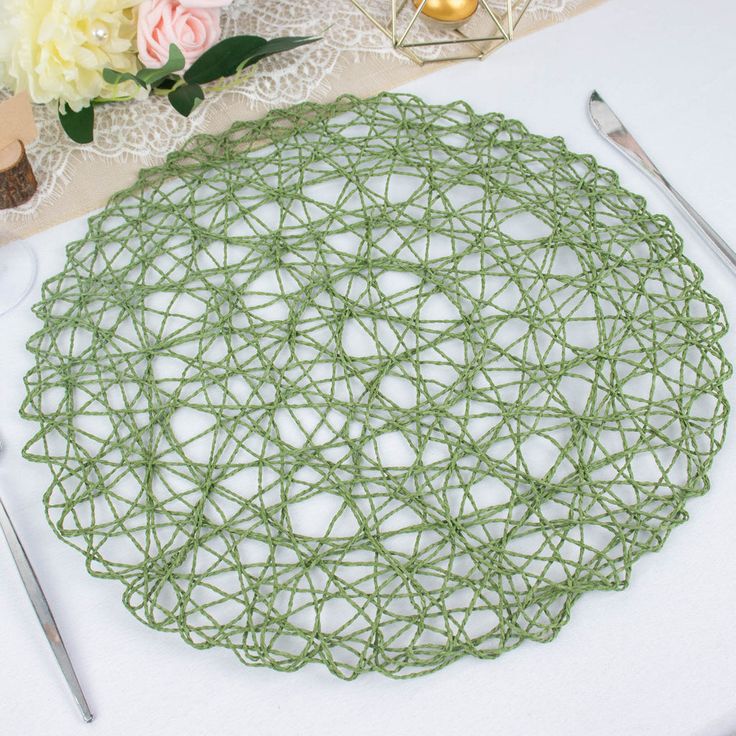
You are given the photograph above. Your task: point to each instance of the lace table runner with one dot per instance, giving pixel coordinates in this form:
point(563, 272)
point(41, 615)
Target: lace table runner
point(75, 179)
point(375, 384)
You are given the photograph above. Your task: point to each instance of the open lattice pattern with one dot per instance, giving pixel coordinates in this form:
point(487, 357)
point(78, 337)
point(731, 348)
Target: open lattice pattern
point(374, 384)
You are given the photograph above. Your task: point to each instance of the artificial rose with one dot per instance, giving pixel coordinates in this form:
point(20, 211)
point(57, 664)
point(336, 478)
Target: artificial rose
point(204, 3)
point(163, 22)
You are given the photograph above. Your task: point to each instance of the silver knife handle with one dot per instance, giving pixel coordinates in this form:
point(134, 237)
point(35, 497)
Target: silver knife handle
point(43, 611)
point(636, 153)
point(717, 243)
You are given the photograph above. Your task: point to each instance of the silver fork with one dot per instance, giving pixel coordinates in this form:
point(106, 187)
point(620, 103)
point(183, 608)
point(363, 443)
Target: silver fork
point(42, 609)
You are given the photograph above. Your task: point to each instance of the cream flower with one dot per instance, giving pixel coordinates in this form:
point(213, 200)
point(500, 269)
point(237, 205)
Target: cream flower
point(57, 49)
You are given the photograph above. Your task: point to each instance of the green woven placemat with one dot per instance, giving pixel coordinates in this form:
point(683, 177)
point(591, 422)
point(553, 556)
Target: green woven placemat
point(374, 384)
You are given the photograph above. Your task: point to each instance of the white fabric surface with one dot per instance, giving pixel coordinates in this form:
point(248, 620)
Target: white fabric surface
point(655, 659)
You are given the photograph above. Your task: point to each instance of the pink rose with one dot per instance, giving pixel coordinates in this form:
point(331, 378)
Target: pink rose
point(204, 3)
point(163, 22)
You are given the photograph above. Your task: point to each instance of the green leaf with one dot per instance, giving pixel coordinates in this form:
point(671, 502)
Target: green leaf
point(223, 59)
point(79, 126)
point(114, 77)
point(235, 53)
point(168, 83)
point(285, 43)
point(185, 98)
point(176, 62)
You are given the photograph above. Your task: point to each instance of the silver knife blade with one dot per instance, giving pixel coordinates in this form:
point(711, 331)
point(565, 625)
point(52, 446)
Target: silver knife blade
point(608, 124)
point(41, 607)
point(611, 128)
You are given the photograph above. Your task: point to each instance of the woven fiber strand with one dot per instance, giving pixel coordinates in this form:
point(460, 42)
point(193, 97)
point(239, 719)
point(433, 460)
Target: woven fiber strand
point(374, 384)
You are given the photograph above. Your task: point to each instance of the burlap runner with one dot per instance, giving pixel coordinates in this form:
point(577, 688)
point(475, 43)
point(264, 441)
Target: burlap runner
point(93, 179)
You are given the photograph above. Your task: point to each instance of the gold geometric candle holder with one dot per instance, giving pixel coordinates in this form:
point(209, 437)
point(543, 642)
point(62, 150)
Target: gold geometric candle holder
point(425, 40)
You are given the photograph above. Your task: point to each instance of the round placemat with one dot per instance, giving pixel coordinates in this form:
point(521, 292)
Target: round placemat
point(374, 384)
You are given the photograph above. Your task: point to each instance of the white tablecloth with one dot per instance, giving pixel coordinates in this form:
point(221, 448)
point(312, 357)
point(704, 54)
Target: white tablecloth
point(658, 658)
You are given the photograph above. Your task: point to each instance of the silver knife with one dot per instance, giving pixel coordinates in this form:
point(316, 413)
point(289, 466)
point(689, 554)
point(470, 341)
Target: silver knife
point(41, 607)
point(615, 132)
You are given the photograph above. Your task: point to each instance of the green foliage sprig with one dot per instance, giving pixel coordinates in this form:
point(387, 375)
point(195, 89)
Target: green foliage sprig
point(184, 90)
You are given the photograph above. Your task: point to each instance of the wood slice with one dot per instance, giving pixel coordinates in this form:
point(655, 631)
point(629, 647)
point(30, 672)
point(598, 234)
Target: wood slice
point(17, 182)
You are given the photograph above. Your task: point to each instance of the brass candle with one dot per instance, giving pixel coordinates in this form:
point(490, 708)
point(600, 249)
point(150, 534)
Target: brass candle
point(451, 13)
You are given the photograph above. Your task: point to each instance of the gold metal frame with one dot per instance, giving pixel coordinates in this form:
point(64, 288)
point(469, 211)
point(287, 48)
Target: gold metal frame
point(476, 47)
